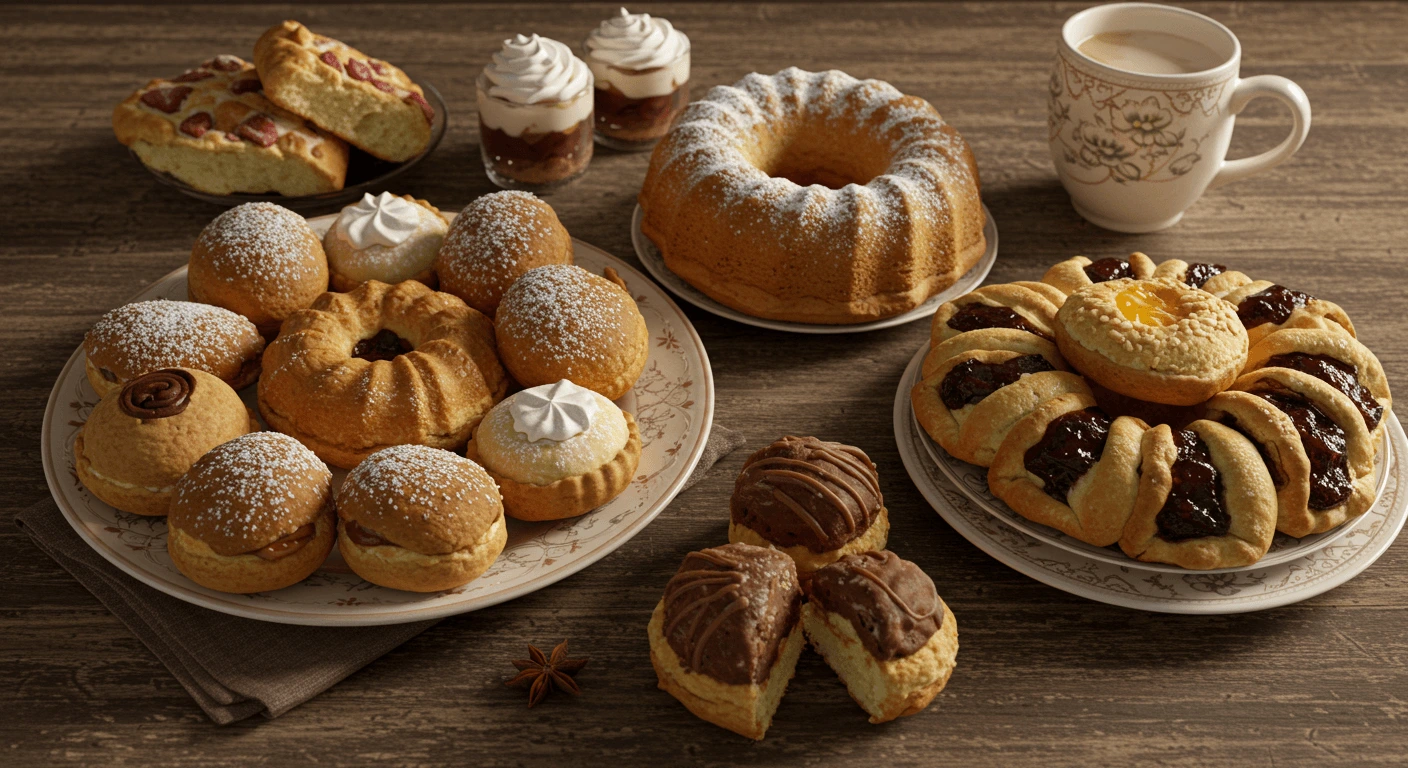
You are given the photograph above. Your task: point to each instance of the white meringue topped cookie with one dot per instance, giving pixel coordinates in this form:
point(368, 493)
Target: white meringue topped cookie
point(534, 84)
point(547, 433)
point(388, 238)
point(554, 411)
point(640, 55)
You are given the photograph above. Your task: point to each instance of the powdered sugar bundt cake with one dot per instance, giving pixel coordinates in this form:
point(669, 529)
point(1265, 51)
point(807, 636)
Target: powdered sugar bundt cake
point(1266, 413)
point(814, 197)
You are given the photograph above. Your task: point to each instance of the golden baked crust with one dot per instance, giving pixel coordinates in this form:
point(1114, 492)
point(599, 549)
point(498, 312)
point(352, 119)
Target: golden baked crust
point(1036, 305)
point(494, 241)
point(147, 336)
point(1069, 276)
point(246, 573)
point(365, 101)
point(345, 408)
point(814, 197)
point(1248, 495)
point(212, 129)
point(1317, 313)
point(874, 539)
point(570, 496)
point(1333, 344)
point(400, 568)
point(349, 267)
point(1185, 346)
point(1099, 503)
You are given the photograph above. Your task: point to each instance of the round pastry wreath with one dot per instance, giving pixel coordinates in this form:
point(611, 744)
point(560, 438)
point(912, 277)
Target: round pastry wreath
point(1185, 412)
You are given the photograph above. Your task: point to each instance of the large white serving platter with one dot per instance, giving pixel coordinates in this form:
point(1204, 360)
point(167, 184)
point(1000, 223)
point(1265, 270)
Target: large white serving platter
point(673, 402)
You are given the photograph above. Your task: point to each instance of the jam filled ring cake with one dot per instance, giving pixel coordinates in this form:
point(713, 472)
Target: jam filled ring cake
point(147, 336)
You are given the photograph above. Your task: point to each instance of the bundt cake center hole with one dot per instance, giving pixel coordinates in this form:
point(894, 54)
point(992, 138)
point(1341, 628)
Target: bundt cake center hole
point(804, 163)
point(385, 345)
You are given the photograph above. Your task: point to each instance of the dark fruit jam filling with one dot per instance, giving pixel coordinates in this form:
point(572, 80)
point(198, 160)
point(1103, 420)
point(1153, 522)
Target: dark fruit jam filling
point(1071, 445)
point(1194, 508)
point(971, 380)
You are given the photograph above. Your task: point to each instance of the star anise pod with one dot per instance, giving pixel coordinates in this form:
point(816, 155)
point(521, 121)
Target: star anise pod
point(544, 672)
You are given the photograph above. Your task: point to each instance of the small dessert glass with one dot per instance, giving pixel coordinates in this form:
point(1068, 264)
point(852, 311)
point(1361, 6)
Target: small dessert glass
point(635, 123)
point(534, 147)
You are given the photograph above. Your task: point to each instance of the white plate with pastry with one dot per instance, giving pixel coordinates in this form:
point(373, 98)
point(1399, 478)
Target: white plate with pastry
point(1130, 584)
point(655, 264)
point(672, 402)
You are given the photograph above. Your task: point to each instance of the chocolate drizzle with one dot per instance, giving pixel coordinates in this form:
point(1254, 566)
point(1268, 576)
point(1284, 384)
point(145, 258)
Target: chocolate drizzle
point(801, 491)
point(890, 602)
point(1199, 273)
point(1071, 445)
point(971, 317)
point(1105, 270)
point(1273, 305)
point(728, 609)
point(385, 345)
point(1338, 374)
point(1195, 507)
point(157, 395)
point(1325, 445)
point(972, 380)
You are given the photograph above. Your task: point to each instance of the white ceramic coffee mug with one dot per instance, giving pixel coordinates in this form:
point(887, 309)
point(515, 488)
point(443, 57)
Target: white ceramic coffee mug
point(1136, 150)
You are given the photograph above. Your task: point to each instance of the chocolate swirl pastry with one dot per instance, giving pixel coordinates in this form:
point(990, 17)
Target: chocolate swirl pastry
point(801, 491)
point(1195, 507)
point(1199, 273)
point(728, 610)
point(1273, 305)
point(891, 602)
point(975, 316)
point(1105, 270)
point(158, 394)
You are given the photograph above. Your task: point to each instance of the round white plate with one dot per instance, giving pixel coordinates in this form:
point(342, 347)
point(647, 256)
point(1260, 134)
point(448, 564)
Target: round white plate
point(1354, 548)
point(673, 402)
point(655, 264)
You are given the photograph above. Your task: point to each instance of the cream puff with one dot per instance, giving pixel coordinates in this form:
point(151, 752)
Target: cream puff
point(386, 238)
point(260, 260)
point(880, 625)
point(813, 500)
point(420, 519)
point(725, 638)
point(141, 439)
point(148, 336)
point(253, 515)
point(494, 241)
point(563, 322)
point(557, 450)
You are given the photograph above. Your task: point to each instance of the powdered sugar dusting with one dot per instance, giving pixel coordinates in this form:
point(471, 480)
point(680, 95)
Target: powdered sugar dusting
point(260, 241)
point(565, 314)
point(431, 480)
point(492, 233)
point(150, 335)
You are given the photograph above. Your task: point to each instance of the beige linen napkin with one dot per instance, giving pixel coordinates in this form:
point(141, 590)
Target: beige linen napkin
point(235, 667)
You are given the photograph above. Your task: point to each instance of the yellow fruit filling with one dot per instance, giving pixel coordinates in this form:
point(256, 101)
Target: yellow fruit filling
point(1141, 303)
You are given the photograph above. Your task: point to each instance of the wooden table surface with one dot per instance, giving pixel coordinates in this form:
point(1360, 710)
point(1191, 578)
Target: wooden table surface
point(1043, 678)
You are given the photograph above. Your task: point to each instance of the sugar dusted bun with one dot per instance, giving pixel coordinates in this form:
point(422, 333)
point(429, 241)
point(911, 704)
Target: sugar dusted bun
point(260, 260)
point(252, 515)
point(815, 501)
point(563, 322)
point(880, 625)
point(494, 241)
point(385, 238)
point(141, 439)
point(419, 519)
point(151, 335)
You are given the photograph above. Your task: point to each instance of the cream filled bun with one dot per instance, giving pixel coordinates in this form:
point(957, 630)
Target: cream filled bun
point(142, 438)
point(557, 450)
point(420, 519)
point(386, 238)
point(252, 515)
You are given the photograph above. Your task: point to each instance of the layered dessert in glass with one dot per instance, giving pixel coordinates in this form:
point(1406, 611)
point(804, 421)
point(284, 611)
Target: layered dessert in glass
point(535, 114)
point(641, 67)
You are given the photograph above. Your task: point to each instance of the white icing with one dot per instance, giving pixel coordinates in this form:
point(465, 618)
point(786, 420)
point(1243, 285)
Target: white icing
point(385, 220)
point(554, 412)
point(535, 85)
point(640, 55)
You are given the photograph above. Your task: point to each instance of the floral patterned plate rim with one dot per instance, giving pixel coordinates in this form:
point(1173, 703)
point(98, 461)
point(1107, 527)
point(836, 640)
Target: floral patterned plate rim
point(655, 264)
point(673, 402)
point(1195, 592)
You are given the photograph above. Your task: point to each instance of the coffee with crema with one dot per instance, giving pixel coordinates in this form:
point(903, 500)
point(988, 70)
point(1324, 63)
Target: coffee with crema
point(1150, 53)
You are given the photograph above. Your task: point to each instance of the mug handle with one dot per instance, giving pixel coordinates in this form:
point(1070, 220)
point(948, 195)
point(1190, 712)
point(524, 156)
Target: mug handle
point(1286, 92)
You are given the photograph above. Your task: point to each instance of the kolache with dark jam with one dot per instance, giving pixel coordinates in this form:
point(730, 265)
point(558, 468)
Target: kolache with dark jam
point(1273, 305)
point(1195, 507)
point(1071, 445)
point(1338, 374)
point(1324, 442)
point(1199, 273)
point(975, 316)
point(385, 345)
point(1105, 270)
point(972, 380)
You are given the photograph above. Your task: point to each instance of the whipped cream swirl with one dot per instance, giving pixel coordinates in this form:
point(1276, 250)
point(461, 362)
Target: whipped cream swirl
point(637, 41)
point(535, 70)
point(554, 412)
point(385, 220)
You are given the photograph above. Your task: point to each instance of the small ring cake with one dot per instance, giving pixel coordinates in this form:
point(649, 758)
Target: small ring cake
point(151, 335)
point(557, 451)
point(420, 519)
point(813, 500)
point(1156, 340)
point(562, 322)
point(494, 241)
point(880, 624)
point(725, 638)
point(386, 238)
point(260, 260)
point(140, 440)
point(254, 514)
point(1265, 307)
point(1080, 272)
